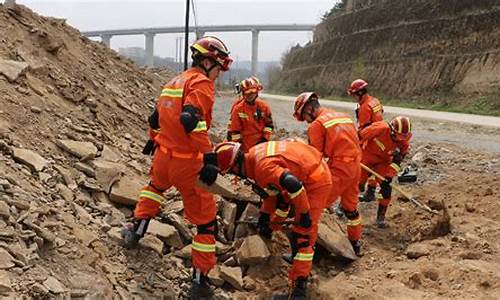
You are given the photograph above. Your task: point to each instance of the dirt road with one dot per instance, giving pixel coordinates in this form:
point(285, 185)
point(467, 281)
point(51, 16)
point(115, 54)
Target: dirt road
point(426, 124)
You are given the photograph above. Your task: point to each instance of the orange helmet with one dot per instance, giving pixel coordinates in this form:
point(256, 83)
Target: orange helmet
point(227, 154)
point(214, 48)
point(400, 128)
point(250, 85)
point(301, 101)
point(356, 86)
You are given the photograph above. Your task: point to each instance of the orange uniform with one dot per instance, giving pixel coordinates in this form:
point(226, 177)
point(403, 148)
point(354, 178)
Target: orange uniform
point(233, 105)
point(369, 110)
point(333, 133)
point(378, 148)
point(266, 163)
point(180, 158)
point(251, 123)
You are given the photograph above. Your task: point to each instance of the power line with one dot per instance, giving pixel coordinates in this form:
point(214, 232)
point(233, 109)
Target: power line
point(194, 14)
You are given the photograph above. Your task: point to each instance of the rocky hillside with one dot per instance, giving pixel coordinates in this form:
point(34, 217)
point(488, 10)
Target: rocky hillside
point(406, 49)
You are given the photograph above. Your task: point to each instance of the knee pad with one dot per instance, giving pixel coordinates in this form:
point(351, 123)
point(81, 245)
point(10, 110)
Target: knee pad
point(386, 188)
point(209, 228)
point(351, 215)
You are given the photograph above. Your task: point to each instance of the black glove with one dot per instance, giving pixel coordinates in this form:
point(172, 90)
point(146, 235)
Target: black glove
point(397, 157)
point(263, 226)
point(305, 220)
point(262, 140)
point(149, 148)
point(209, 171)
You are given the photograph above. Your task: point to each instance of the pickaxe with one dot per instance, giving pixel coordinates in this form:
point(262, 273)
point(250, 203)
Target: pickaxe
point(400, 190)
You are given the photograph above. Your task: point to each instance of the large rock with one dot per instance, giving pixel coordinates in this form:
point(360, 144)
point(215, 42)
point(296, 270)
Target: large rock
point(126, 191)
point(253, 250)
point(215, 276)
point(12, 69)
point(152, 242)
point(6, 260)
point(30, 158)
point(166, 232)
point(54, 286)
point(251, 211)
point(233, 276)
point(87, 237)
point(228, 217)
point(5, 285)
point(107, 173)
point(417, 250)
point(331, 237)
point(181, 226)
point(4, 210)
point(78, 149)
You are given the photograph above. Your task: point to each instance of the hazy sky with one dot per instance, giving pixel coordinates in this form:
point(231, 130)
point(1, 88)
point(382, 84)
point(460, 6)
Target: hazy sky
point(114, 14)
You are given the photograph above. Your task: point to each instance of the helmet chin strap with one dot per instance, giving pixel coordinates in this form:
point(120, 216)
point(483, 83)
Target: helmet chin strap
point(207, 70)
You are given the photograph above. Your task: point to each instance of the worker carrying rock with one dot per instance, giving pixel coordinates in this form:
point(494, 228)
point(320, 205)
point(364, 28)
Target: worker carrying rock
point(250, 122)
point(369, 108)
point(288, 173)
point(183, 114)
point(384, 146)
point(334, 134)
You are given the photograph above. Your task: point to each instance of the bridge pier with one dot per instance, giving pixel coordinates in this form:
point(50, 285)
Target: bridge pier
point(255, 51)
point(106, 39)
point(149, 48)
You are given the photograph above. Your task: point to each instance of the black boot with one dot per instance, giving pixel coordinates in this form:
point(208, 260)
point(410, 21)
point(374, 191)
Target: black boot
point(369, 195)
point(200, 287)
point(298, 291)
point(356, 246)
point(382, 209)
point(133, 232)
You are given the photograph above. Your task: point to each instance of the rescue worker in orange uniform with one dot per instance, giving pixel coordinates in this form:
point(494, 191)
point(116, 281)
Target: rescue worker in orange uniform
point(288, 173)
point(183, 115)
point(384, 147)
point(369, 109)
point(251, 122)
point(334, 134)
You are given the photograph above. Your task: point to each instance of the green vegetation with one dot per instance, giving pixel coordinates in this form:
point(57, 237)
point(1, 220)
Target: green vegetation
point(338, 7)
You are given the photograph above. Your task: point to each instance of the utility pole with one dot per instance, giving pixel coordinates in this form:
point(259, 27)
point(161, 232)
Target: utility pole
point(186, 36)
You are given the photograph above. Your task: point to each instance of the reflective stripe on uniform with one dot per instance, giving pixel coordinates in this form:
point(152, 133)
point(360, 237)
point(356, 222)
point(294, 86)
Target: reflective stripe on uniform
point(333, 122)
point(200, 247)
point(281, 213)
point(268, 129)
point(174, 93)
point(243, 115)
point(271, 148)
point(293, 195)
point(151, 195)
point(155, 130)
point(235, 137)
point(377, 108)
point(304, 256)
point(201, 126)
point(354, 222)
point(379, 143)
point(395, 167)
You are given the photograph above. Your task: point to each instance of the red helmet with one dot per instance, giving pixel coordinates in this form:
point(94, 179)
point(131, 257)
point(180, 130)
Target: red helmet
point(250, 85)
point(400, 128)
point(301, 101)
point(356, 86)
point(212, 47)
point(227, 152)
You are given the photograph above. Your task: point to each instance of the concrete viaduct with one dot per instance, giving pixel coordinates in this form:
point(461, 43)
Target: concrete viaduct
point(150, 33)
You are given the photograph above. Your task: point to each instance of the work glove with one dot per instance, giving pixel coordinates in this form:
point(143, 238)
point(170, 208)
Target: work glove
point(149, 148)
point(305, 220)
point(262, 140)
point(263, 226)
point(397, 157)
point(209, 171)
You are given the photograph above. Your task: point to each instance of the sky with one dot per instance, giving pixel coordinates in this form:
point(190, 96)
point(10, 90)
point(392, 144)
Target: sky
point(114, 14)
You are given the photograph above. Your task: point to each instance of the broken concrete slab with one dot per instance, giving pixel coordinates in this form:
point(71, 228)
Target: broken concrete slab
point(4, 210)
point(165, 232)
point(126, 191)
point(33, 160)
point(87, 237)
point(78, 149)
point(253, 250)
point(223, 186)
point(181, 226)
point(250, 212)
point(417, 250)
point(331, 237)
point(12, 69)
point(233, 276)
point(85, 169)
point(5, 284)
point(215, 276)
